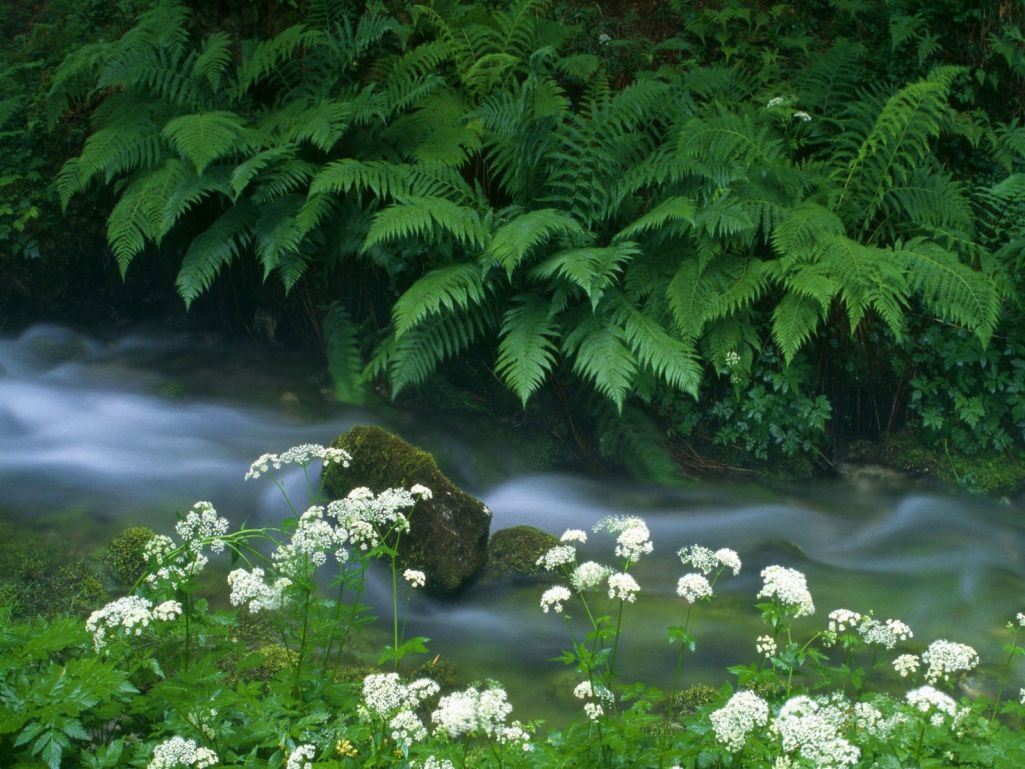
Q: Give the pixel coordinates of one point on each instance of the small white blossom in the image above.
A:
(179, 752)
(129, 614)
(421, 491)
(1021, 696)
(766, 646)
(906, 664)
(701, 558)
(588, 576)
(789, 587)
(202, 525)
(623, 587)
(804, 117)
(384, 694)
(406, 728)
(574, 535)
(302, 757)
(886, 634)
(604, 39)
(560, 555)
(167, 611)
(776, 101)
(1021, 619)
(301, 455)
(593, 710)
(728, 559)
(633, 542)
(944, 658)
(812, 728)
(742, 714)
(842, 619)
(929, 700)
(249, 587)
(473, 711)
(414, 578)
(554, 597)
(436, 763)
(693, 587)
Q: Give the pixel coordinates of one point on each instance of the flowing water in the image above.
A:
(98, 433)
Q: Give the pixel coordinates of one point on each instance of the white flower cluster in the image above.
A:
(706, 560)
(742, 714)
(432, 762)
(929, 700)
(405, 729)
(595, 696)
(945, 658)
(766, 646)
(384, 694)
(302, 757)
(789, 587)
(249, 587)
(906, 665)
(574, 535)
(870, 719)
(414, 577)
(301, 455)
(553, 598)
(634, 541)
(560, 555)
(179, 752)
(131, 614)
(313, 538)
(477, 711)
(1020, 617)
(588, 575)
(886, 634)
(841, 620)
(623, 587)
(202, 524)
(693, 587)
(811, 728)
(365, 516)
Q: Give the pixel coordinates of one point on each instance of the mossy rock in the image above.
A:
(448, 533)
(124, 557)
(513, 553)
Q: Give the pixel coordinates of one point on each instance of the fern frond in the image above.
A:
(204, 137)
(516, 238)
(671, 360)
(211, 64)
(674, 209)
(456, 286)
(527, 346)
(266, 55)
(344, 360)
(594, 269)
(419, 217)
(601, 357)
(212, 250)
(251, 168)
(794, 321)
(190, 190)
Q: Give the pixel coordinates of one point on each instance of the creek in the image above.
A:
(99, 432)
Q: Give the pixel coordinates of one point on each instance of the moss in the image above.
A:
(448, 532)
(687, 701)
(994, 474)
(513, 553)
(267, 661)
(39, 577)
(124, 557)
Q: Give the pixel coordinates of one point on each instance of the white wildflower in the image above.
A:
(593, 710)
(766, 646)
(588, 576)
(803, 116)
(841, 620)
(473, 711)
(728, 559)
(616, 524)
(789, 587)
(553, 598)
(366, 517)
(414, 578)
(301, 455)
(384, 693)
(1021, 696)
(302, 757)
(701, 558)
(886, 634)
(130, 614)
(202, 525)
(560, 555)
(421, 491)
(180, 752)
(604, 39)
(167, 611)
(929, 700)
(406, 728)
(436, 763)
(693, 587)
(906, 664)
(249, 588)
(812, 729)
(633, 542)
(574, 535)
(776, 101)
(742, 714)
(623, 587)
(944, 658)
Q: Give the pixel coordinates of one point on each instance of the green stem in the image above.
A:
(334, 626)
(188, 632)
(1003, 676)
(302, 642)
(395, 600)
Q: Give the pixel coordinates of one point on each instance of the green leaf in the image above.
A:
(204, 137)
(516, 238)
(455, 286)
(526, 352)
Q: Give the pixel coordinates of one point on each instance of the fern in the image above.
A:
(344, 361)
(794, 321)
(672, 361)
(527, 346)
(601, 357)
(421, 217)
(593, 269)
(212, 250)
(204, 137)
(515, 239)
(454, 287)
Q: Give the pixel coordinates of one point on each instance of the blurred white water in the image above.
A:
(134, 428)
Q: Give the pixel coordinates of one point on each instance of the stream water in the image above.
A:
(97, 433)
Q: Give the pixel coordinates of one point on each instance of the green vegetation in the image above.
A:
(157, 679)
(725, 234)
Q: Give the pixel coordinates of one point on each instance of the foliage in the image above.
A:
(214, 688)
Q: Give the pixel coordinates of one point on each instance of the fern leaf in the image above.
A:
(601, 356)
(516, 238)
(594, 269)
(794, 321)
(674, 209)
(671, 360)
(204, 137)
(417, 217)
(526, 352)
(344, 361)
(212, 250)
(455, 286)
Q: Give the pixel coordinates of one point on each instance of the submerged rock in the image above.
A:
(448, 533)
(513, 553)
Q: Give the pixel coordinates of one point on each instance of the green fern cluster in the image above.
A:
(501, 192)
